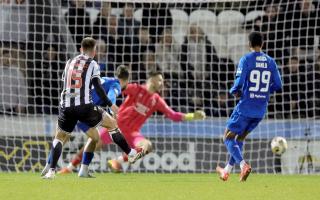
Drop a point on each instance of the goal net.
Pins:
(196, 44)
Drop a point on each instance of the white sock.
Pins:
(132, 152)
(120, 159)
(242, 163)
(228, 168)
(83, 169)
(70, 166)
(56, 141)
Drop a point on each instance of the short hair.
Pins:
(88, 44)
(255, 39)
(154, 73)
(123, 72)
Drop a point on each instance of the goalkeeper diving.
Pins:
(140, 103)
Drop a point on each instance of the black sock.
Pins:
(55, 153)
(118, 138)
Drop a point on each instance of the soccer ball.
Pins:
(279, 145)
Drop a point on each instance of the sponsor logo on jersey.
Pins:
(142, 109)
(257, 96)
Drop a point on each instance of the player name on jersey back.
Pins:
(263, 62)
(260, 78)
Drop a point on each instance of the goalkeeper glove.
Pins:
(197, 115)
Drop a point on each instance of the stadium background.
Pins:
(195, 44)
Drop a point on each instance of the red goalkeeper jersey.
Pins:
(139, 105)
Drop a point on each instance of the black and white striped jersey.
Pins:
(77, 83)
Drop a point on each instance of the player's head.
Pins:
(155, 81)
(88, 46)
(123, 75)
(255, 40)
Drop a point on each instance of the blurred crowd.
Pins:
(196, 75)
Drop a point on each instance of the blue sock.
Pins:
(232, 160)
(87, 158)
(234, 150)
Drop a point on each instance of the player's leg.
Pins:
(78, 157)
(76, 160)
(48, 164)
(235, 126)
(92, 116)
(239, 141)
(234, 153)
(143, 145)
(65, 125)
(136, 140)
(49, 155)
(225, 172)
(246, 168)
(88, 152)
(60, 139)
(111, 124)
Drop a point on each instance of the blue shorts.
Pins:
(82, 126)
(240, 124)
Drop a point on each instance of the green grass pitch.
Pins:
(158, 187)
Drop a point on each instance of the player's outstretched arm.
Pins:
(197, 115)
(178, 116)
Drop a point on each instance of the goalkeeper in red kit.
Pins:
(140, 103)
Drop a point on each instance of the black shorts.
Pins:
(89, 114)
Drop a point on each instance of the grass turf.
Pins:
(158, 187)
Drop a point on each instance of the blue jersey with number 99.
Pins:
(257, 76)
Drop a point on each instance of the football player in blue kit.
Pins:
(257, 77)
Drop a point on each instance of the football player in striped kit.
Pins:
(80, 74)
